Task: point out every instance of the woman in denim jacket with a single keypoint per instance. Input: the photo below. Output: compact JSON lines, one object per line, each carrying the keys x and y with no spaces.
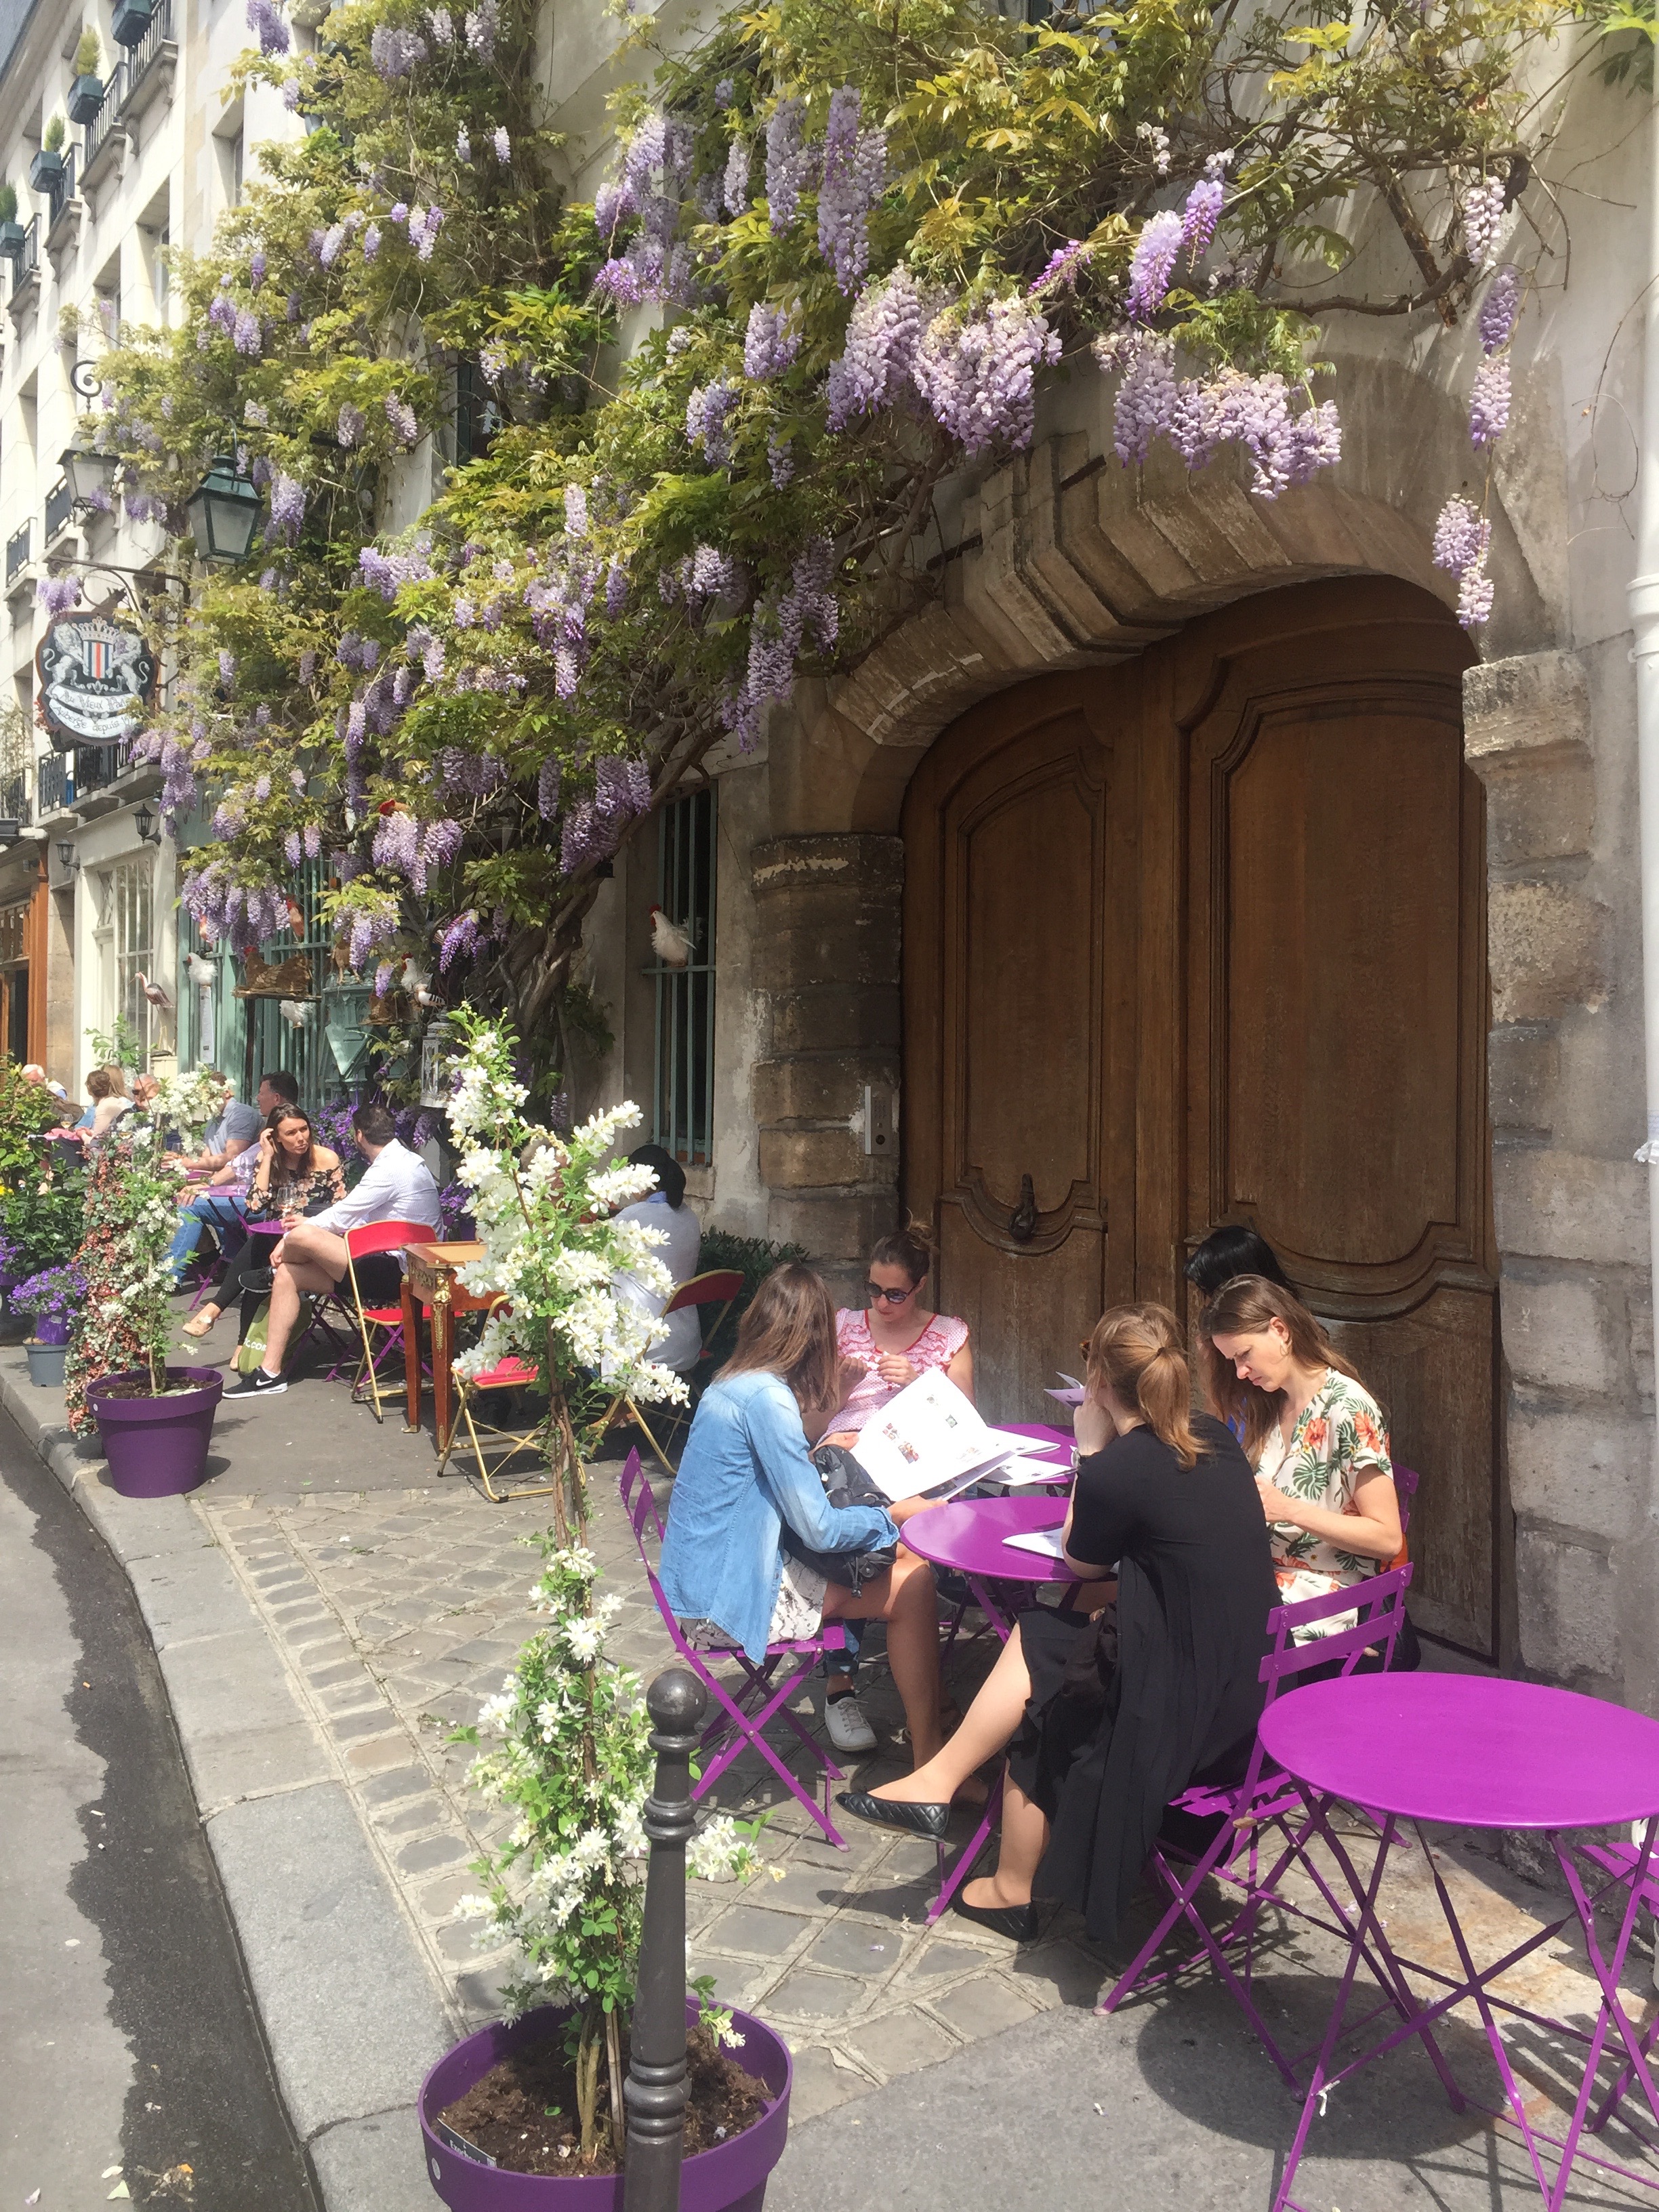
{"x":746,"y":1475}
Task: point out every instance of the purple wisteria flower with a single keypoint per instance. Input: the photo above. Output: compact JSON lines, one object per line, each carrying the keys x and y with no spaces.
{"x":1151,"y":263}
{"x":734,"y":184}
{"x":247,"y":335}
{"x":256,"y":268}
{"x":483,"y":24}
{"x":786,"y":165}
{"x":770,"y":342}
{"x":776,"y":633}
{"x":705,"y":420}
{"x":266,"y":19}
{"x":1065,"y":264}
{"x":371,"y":242}
{"x":503,"y":146}
{"x":882,"y":337}
{"x":459,"y":940}
{"x":1489,"y":401}
{"x":1463,"y":539}
{"x":393,"y":53}
{"x":330,"y":245}
{"x":616,"y":589}
{"x":288,"y":507}
{"x":780,"y":461}
{"x":1201,"y":215}
{"x":442,"y":24}
{"x":1476,"y":592}
{"x":423,"y":225}
{"x":1499,"y":308}
{"x":55,"y":595}
{"x":575,"y":510}
{"x":977,"y":373}
{"x":1483,"y":215}
{"x":854,"y":175}
{"x":619,"y":283}
{"x":401,"y":415}
{"x":547,"y":790}
{"x":463,"y":143}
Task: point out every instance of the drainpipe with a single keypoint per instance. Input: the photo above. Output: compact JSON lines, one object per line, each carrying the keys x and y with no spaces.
{"x":1645,"y":651}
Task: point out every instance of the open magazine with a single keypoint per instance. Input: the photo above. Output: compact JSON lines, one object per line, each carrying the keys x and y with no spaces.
{"x":929,"y":1441}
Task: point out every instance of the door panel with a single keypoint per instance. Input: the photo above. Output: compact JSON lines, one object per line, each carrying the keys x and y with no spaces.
{"x":1229,"y":964}
{"x":1004,"y":967}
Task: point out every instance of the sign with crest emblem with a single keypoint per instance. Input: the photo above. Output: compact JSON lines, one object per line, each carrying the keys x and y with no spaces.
{"x":97,"y":681}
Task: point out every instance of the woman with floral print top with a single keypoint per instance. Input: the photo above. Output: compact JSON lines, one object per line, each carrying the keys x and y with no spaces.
{"x":1313,"y":1432}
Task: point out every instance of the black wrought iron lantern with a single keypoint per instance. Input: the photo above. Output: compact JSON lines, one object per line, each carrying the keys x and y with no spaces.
{"x":224,"y":512}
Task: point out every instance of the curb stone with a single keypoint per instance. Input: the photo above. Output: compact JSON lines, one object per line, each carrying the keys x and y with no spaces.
{"x":348,"y":1999}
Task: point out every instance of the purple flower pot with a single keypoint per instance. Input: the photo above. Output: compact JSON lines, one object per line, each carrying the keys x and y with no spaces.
{"x":731,"y":2177}
{"x":157,"y":1447}
{"x":50,"y":1329}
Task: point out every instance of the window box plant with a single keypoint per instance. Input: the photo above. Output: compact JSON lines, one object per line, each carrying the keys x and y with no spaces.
{"x":130,"y":20}
{"x":12,"y":233}
{"x":86,"y":94}
{"x":47,"y":169}
{"x":566,"y":1744}
{"x":155,"y":1421}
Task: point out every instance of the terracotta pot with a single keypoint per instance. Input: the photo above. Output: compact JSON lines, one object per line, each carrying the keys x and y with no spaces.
{"x":157,"y":1447}
{"x":731,"y":2177}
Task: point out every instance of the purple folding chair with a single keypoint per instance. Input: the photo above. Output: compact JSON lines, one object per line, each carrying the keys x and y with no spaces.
{"x":1265,"y":1800}
{"x":743,"y":1719}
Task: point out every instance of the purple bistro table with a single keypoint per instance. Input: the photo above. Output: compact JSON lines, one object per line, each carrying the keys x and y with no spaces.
{"x":968,"y":1536}
{"x":1478,"y":1754}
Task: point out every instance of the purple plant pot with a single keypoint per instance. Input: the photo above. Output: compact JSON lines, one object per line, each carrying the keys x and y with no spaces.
{"x":157,"y":1447}
{"x":732,"y":2176}
{"x":50,"y":1328}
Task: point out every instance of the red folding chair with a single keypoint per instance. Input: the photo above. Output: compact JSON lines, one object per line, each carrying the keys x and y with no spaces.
{"x":717,"y":1287}
{"x":375,"y":1237}
{"x":742,"y":1720}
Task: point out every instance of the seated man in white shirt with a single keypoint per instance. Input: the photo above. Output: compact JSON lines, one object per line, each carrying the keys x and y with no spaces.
{"x":312,"y":1255}
{"x":666,"y":1210}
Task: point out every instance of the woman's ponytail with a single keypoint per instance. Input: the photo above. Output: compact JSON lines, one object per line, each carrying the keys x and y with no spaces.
{"x":1136,"y":1352}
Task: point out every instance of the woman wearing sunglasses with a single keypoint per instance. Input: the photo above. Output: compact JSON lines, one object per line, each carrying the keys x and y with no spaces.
{"x":882,"y":1349}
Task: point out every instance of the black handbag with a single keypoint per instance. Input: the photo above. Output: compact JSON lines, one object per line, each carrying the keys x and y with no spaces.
{"x":845,"y":1483}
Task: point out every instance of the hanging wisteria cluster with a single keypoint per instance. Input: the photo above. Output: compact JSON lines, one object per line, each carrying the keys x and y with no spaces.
{"x":1462,"y":537}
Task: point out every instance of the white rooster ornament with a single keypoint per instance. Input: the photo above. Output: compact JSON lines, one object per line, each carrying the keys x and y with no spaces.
{"x":294,"y":1012}
{"x":671,"y":941}
{"x":202,"y":973}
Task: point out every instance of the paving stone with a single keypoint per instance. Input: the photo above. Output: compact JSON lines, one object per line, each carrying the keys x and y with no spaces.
{"x":851,"y":1947}
{"x":806,"y":1995}
{"x":346,"y":1728}
{"x":900,"y":2043}
{"x":736,"y":1981}
{"x":430,"y":1851}
{"x":387,"y":1789}
{"x":439,"y":1899}
{"x":337,"y":1670}
{"x":459,"y":1942}
{"x":820,"y":2085}
{"x":371,"y":1758}
{"x":409,"y":1820}
{"x":768,"y":1934}
{"x":809,"y":1889}
{"x":938,"y":1960}
{"x":983,"y":2008}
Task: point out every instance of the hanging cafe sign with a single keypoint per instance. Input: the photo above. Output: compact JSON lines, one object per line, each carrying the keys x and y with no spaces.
{"x":97,"y":681}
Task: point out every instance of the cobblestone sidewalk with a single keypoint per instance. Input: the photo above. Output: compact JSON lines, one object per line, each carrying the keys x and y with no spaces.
{"x":398,"y":1611}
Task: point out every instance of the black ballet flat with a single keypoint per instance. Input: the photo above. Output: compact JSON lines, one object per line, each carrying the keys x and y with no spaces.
{"x":1018,"y":1920}
{"x":929,"y":1821}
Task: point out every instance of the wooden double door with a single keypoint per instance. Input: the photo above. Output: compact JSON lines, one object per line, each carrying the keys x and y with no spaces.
{"x":1202,"y":939}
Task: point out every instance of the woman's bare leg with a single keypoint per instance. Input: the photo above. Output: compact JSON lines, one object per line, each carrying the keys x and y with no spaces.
{"x":986,"y":1726}
{"x":1024,"y":1839}
{"x":905,"y":1599}
{"x":834,"y":1682}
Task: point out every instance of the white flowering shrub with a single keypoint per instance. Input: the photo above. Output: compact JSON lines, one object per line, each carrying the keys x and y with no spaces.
{"x":544,"y":1207}
{"x":187,"y":1101}
{"x":566,"y":1745}
{"x":126,"y":1322}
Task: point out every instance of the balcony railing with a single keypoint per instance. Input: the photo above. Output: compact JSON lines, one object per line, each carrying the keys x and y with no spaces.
{"x":17,"y":551}
{"x":14,"y":798}
{"x":140,"y":57}
{"x":60,"y":508}
{"x":29,"y":256}
{"x":54,"y":783}
{"x":96,"y":131}
{"x":62,"y":192}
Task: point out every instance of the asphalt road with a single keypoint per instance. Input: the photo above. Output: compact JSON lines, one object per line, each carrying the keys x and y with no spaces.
{"x":131,"y":2063}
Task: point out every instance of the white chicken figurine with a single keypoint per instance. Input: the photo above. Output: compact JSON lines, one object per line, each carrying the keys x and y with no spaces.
{"x":154,"y":992}
{"x":294,"y":1012}
{"x":417,"y":981}
{"x":671,"y":941}
{"x":202,"y":973}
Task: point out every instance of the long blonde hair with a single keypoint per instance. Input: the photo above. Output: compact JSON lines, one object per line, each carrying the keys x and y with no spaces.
{"x":1136,"y":1352}
{"x":1243,"y":1308}
{"x":788,"y":1328}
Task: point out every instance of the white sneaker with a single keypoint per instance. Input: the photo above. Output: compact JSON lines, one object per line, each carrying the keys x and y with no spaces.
{"x":849,"y":1730}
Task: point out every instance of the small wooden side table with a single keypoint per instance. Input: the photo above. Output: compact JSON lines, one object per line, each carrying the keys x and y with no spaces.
{"x":429,"y":1280}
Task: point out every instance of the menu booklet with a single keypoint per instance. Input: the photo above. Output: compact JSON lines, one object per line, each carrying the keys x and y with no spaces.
{"x":929,"y":1440}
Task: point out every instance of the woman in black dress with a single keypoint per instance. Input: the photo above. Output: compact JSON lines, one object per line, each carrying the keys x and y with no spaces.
{"x":1142,"y":1684}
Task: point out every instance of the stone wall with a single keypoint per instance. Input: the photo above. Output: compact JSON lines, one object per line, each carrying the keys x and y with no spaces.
{"x":1550,"y":737}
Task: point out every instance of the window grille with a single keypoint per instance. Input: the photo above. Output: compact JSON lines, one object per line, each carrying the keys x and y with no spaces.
{"x":684,"y":1121}
{"x":131,"y":898}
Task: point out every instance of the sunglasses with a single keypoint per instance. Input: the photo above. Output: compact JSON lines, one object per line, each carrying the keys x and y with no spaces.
{"x":892,"y":1297}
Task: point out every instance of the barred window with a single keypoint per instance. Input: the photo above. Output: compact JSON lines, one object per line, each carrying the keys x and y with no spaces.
{"x":684,"y":1121}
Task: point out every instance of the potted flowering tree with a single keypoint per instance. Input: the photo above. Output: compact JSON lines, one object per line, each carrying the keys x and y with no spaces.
{"x":154,"y":1420}
{"x":54,"y":1297}
{"x":565,"y":1745}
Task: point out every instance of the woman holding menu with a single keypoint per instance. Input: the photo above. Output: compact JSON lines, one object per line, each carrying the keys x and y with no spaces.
{"x":1148,"y":1682}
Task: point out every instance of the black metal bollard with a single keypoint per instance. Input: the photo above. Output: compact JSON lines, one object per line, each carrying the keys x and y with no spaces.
{"x":654,"y":2093}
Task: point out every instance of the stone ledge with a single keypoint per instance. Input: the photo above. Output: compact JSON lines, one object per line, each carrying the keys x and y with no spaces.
{"x":1538,"y":701}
